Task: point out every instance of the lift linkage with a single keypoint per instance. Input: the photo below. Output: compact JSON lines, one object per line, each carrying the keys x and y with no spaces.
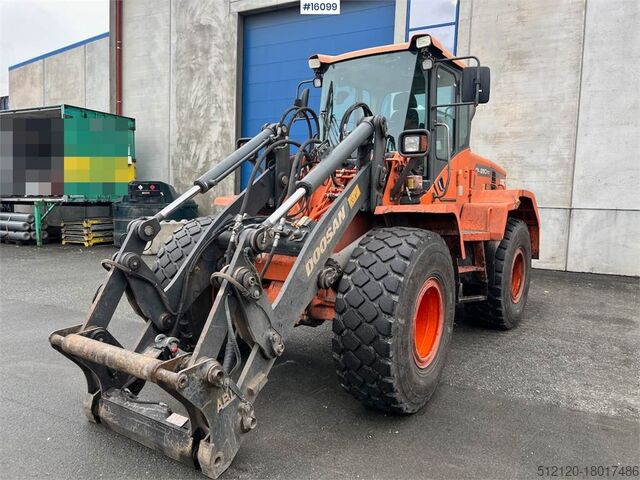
{"x":218,"y":402}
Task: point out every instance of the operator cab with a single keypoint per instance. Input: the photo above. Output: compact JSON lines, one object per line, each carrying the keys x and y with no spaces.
{"x":418,"y":86}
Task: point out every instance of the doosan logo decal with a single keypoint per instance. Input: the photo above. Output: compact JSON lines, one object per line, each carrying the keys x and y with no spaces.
{"x":326,"y":239}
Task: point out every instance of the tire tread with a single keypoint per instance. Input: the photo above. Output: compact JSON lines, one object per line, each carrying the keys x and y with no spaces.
{"x":491,"y":312}
{"x":169,"y":259}
{"x":366,"y":302}
{"x":178,"y":247}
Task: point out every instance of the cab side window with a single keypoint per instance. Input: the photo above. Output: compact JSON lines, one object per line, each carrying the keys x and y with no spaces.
{"x":421,"y":99}
{"x":464,"y":125}
{"x":417,"y":111}
{"x":446,"y":93}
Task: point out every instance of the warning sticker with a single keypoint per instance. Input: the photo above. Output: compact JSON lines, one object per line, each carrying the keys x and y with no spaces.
{"x":177,"y":419}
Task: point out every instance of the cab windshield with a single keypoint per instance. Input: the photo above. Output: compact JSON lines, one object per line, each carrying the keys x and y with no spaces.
{"x":391,"y":84}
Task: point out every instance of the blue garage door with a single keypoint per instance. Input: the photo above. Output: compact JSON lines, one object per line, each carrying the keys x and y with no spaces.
{"x":277,"y":45}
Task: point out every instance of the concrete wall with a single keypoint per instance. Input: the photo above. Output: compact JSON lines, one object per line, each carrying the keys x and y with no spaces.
{"x":78,"y":76}
{"x":97,"y":78}
{"x":26,"y":85}
{"x":179,"y":83}
{"x":529,"y":125}
{"x":203,"y":84}
{"x":563,"y":120}
{"x":64,"y":78}
{"x":605,"y":213}
{"x":146,"y":74}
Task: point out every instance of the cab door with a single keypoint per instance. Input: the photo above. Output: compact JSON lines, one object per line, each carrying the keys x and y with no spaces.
{"x":445,"y":90}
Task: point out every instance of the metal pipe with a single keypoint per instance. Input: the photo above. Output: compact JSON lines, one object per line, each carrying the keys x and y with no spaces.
{"x":282,"y":210}
{"x":118,"y":32}
{"x":173,"y":206}
{"x":14,"y":225}
{"x":37,"y":213}
{"x":136,"y":364}
{"x":15,"y":235}
{"x":43,"y":225}
{"x":18,"y":217}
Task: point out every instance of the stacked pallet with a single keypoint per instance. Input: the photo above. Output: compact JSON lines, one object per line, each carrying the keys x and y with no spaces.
{"x":88,"y":232}
{"x":20,"y":228}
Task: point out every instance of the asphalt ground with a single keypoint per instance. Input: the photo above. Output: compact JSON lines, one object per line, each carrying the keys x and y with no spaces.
{"x":561,"y":389}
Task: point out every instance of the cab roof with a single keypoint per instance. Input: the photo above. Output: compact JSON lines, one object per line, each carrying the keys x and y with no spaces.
{"x":436,"y":46}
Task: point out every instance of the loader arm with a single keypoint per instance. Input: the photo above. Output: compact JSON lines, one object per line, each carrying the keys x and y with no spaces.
{"x":218,"y":398}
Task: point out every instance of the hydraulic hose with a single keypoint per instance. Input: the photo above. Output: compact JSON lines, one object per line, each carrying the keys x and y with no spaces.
{"x":286,"y":112}
{"x":307,"y":121}
{"x":324,"y":169}
{"x":232,"y":349}
{"x":334,"y":160}
{"x":307,"y":112}
{"x":296,"y":161}
{"x":254,"y":171}
{"x":347,"y":114}
{"x":247,"y":192}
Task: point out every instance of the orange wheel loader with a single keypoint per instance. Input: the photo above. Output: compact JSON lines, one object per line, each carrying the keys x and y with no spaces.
{"x":381,"y":221}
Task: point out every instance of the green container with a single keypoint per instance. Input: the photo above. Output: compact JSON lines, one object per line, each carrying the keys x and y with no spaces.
{"x":66,"y":151}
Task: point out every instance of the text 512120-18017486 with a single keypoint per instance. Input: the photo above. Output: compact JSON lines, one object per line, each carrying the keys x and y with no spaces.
{"x":613,"y":471}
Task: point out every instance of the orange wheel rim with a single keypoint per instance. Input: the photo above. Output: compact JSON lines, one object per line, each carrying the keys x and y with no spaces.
{"x":517,"y":275}
{"x":428,"y":322}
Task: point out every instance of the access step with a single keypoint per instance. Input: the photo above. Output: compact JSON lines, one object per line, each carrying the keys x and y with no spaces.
{"x":472,"y":298}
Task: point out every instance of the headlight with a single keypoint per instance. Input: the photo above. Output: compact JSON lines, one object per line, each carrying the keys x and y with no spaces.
{"x":414,"y":143}
{"x":411,"y":144}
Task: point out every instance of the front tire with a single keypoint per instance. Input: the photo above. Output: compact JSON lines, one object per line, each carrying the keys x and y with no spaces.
{"x":394,"y":318}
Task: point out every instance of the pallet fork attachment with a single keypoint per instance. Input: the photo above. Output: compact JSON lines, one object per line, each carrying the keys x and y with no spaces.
{"x":218,"y":401}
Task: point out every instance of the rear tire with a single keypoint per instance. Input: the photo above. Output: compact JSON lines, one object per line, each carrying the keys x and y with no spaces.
{"x":394,"y":318}
{"x":509,"y":274}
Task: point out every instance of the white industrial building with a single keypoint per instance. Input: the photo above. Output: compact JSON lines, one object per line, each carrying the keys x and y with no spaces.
{"x":563,"y":117}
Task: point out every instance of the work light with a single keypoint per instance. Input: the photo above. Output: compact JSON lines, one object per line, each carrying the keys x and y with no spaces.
{"x":314,"y":63}
{"x":423,"y":42}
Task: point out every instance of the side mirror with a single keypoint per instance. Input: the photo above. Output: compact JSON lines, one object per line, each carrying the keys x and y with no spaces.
{"x":472,"y":77}
{"x":414,"y":143}
{"x":303,"y":100}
